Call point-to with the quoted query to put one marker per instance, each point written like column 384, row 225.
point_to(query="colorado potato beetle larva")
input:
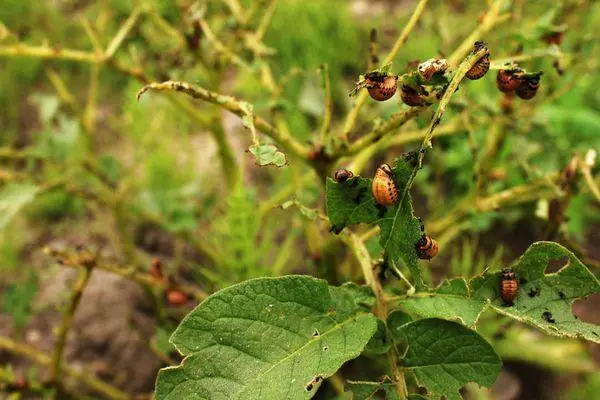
column 342, row 175
column 431, row 67
column 482, row 66
column 509, row 286
column 529, row 86
column 410, row 96
column 380, row 86
column 384, row 188
column 426, row 247
column 508, row 80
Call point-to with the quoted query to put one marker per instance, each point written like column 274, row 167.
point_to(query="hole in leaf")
column 561, row 294
column 316, row 333
column 587, row 309
column 534, row 292
column 547, row 316
column 311, row 385
column 556, row 264
column 325, row 348
column 522, row 281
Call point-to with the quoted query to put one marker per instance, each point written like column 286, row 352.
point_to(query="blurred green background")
column 83, row 164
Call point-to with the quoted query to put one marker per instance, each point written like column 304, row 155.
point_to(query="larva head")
column 342, row 175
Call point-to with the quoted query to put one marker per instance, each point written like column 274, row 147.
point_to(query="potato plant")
column 329, row 247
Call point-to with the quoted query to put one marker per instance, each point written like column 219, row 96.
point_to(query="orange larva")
column 508, row 80
column 528, row 87
column 381, row 87
column 427, row 248
column 410, row 96
column 342, row 175
column 384, row 187
column 509, row 286
column 176, row 297
column 482, row 66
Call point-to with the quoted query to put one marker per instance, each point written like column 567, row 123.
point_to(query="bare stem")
column 362, row 97
column 491, row 19
column 109, row 391
column 381, row 310
column 67, row 319
column 328, row 107
column 122, row 33
column 235, row 106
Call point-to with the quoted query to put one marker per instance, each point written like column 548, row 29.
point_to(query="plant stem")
column 328, row 106
column 235, row 106
column 109, row 391
column 67, row 259
column 491, row 19
column 67, row 322
column 362, row 97
column 381, row 310
column 395, row 121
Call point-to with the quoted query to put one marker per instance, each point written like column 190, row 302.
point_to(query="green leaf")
column 444, row 356
column 451, row 300
column 13, row 197
column 545, row 300
column 267, row 338
column 379, row 343
column 352, row 202
column 267, row 154
column 395, row 320
column 368, row 390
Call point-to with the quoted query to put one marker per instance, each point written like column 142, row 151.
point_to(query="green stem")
column 67, row 320
column 108, row 391
column 362, row 97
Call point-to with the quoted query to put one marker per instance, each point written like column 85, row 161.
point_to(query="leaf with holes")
column 451, row 300
column 545, row 300
column 267, row 338
column 267, row 154
column 444, row 356
column 352, row 202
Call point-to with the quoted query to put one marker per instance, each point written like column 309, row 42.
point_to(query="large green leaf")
column 267, row 338
column 451, row 300
column 545, row 300
column 444, row 356
column 13, row 197
column 352, row 202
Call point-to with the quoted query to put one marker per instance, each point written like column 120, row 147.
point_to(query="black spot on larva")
column 499, row 335
column 380, row 210
column 561, row 295
column 547, row 316
column 522, row 281
column 595, row 333
column 309, row 387
column 534, row 292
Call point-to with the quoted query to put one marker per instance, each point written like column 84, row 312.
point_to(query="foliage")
column 216, row 185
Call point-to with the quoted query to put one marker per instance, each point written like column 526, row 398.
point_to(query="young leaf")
column 451, row 300
column 267, row 338
column 13, row 197
column 267, row 154
column 545, row 300
column 352, row 202
column 444, row 356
